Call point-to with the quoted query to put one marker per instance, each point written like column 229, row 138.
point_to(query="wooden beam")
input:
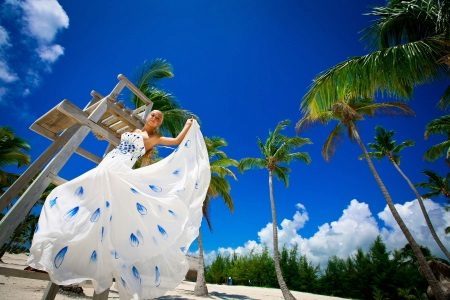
column 74, row 112
column 22, row 182
column 26, row 201
column 101, row 296
column 11, row 272
column 56, row 180
column 50, row 291
column 124, row 115
column 50, row 135
column 134, row 89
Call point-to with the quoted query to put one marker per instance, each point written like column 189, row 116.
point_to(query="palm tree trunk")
column 423, row 265
column 200, row 285
column 424, row 211
column 276, row 255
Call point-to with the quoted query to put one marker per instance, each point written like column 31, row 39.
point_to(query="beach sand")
column 30, row 289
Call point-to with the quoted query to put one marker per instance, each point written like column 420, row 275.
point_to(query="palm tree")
column 436, row 185
column 218, row 187
column 277, row 152
column 440, row 125
column 174, row 115
column 347, row 113
column 385, row 146
column 11, row 153
column 412, row 44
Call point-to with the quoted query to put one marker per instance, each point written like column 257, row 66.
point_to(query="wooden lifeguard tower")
column 67, row 126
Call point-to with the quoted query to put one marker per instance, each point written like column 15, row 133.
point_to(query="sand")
column 20, row 288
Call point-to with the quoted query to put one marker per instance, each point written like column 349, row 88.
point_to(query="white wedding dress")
column 133, row 225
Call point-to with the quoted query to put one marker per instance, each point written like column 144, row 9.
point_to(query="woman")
column 133, row 225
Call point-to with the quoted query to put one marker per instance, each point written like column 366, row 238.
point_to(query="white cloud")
column 44, row 19
column 50, row 53
column 4, row 38
column 39, row 22
column 356, row 228
column 6, row 74
column 415, row 221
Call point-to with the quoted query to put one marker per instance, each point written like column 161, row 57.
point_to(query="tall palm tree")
column 385, row 146
column 347, row 114
column 440, row 125
column 219, row 187
column 12, row 152
column 277, row 152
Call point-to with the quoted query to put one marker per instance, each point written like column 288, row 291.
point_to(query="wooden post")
column 37, row 165
column 50, row 291
column 21, row 208
column 102, row 296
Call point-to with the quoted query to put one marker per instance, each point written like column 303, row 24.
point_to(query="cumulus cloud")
column 50, row 53
column 6, row 74
column 356, row 228
column 44, row 18
column 30, row 50
column 4, row 38
column 414, row 220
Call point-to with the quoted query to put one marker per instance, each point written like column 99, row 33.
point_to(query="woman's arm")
column 168, row 141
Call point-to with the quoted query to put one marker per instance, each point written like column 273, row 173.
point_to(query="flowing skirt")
column 133, row 225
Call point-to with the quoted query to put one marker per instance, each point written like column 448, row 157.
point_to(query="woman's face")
column 155, row 118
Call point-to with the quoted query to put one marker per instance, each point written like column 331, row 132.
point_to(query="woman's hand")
column 190, row 121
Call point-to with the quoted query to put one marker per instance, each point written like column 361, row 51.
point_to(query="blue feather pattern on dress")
column 53, row 202
column 155, row 188
column 59, row 258
column 134, row 241
column 141, row 208
column 71, row 213
column 157, row 276
column 95, row 215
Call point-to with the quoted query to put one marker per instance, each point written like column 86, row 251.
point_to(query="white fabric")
column 134, row 225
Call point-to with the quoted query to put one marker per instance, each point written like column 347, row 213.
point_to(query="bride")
column 131, row 225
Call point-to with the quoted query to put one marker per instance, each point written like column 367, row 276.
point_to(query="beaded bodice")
column 130, row 149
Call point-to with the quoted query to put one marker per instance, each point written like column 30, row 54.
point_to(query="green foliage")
column 12, row 152
column 174, row 115
column 375, row 274
column 441, row 126
column 386, row 146
column 277, row 152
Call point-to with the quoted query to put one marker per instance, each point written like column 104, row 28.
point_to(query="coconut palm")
column 385, row 146
column 440, row 125
column 174, row 115
column 219, row 187
column 412, row 46
column 347, row 114
column 436, row 185
column 12, row 152
column 277, row 152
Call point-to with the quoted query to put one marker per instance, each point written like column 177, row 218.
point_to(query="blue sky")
column 241, row 66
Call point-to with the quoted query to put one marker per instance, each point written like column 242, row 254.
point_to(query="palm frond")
column 440, row 125
column 282, row 173
column 250, row 163
column 437, row 151
column 444, row 102
column 329, row 146
column 404, row 21
column 393, row 71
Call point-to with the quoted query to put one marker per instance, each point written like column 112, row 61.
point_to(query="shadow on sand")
column 212, row 294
